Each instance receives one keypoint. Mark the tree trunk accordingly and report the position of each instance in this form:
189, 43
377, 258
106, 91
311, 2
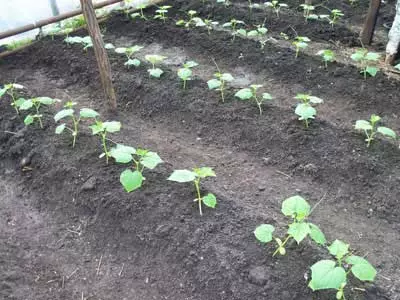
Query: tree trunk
308, 2
101, 54
367, 32
54, 7
394, 38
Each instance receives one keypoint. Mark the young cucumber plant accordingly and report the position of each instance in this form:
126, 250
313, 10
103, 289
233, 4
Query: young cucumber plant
276, 6
364, 58
327, 56
69, 113
139, 14
298, 209
140, 158
86, 41
102, 129
250, 93
219, 83
191, 14
129, 52
308, 12
161, 12
207, 23
185, 73
155, 59
11, 90
36, 103
195, 176
300, 42
305, 110
331, 274
371, 129
259, 33
233, 25
334, 17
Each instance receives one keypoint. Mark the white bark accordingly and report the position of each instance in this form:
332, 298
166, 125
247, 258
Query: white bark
394, 34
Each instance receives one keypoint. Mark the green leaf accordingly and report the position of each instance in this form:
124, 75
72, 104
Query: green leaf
264, 232
372, 70
338, 249
88, 113
132, 62
227, 77
60, 128
386, 132
46, 100
122, 154
131, 180
315, 100
296, 207
244, 94
112, 126
242, 32
150, 160
363, 125
97, 128
372, 56
317, 235
28, 120
326, 275
120, 50
361, 268
63, 113
204, 172
184, 73
182, 176
305, 111
214, 84
190, 64
252, 33
299, 231
3, 90
109, 46
267, 96
210, 200
359, 55
19, 101
156, 72
27, 104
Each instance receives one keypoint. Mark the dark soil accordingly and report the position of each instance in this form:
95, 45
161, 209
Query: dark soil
71, 232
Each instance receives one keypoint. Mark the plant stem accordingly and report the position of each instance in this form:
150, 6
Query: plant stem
222, 90
281, 246
75, 132
103, 139
184, 84
37, 113
197, 185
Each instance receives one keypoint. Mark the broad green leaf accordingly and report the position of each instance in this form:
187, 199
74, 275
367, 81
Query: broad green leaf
299, 231
363, 125
109, 46
244, 94
210, 200
375, 118
252, 33
120, 50
296, 207
372, 56
184, 73
97, 128
17, 86
359, 55
60, 128
213, 84
190, 64
122, 154
264, 232
131, 180
154, 58
227, 77
338, 249
19, 101
316, 234
326, 275
372, 71
267, 96
315, 100
132, 62
88, 113
204, 172
182, 176
262, 30
3, 91
46, 100
112, 126
305, 111
63, 113
27, 104
150, 160
28, 120
156, 72
361, 268
242, 32
386, 132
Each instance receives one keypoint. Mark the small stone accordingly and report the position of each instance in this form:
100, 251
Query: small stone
259, 275
89, 185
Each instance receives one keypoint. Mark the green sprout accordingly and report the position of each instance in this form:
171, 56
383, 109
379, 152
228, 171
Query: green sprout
191, 14
300, 42
185, 73
37, 104
195, 176
141, 13
304, 109
155, 59
276, 6
102, 129
219, 83
259, 33
140, 158
332, 274
250, 93
18, 44
298, 209
327, 56
308, 12
225, 2
86, 41
209, 24
11, 90
371, 129
74, 22
129, 52
334, 17
161, 11
233, 25
68, 112
363, 57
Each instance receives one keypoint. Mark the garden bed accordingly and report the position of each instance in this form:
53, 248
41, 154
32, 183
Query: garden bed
71, 232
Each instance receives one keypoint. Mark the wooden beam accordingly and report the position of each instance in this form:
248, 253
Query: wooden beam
103, 62
367, 32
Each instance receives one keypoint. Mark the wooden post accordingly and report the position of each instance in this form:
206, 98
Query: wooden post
101, 54
54, 7
369, 25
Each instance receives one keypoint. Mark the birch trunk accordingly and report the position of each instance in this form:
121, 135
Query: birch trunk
394, 37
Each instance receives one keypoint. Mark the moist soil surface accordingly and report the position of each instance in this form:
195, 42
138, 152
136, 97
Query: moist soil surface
70, 231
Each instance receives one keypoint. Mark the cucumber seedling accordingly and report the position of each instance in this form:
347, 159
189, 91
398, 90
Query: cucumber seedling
300, 42
139, 14
68, 112
334, 17
185, 73
276, 6
233, 24
371, 129
129, 52
195, 176
364, 58
161, 12
332, 274
11, 90
102, 129
250, 93
207, 23
308, 12
298, 209
305, 110
327, 56
86, 41
219, 83
155, 59
191, 14
36, 103
141, 159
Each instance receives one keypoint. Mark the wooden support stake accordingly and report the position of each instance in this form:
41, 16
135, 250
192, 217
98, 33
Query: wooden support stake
101, 54
367, 32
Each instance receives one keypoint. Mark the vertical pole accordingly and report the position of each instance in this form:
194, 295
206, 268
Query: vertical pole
308, 2
101, 54
54, 7
369, 25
